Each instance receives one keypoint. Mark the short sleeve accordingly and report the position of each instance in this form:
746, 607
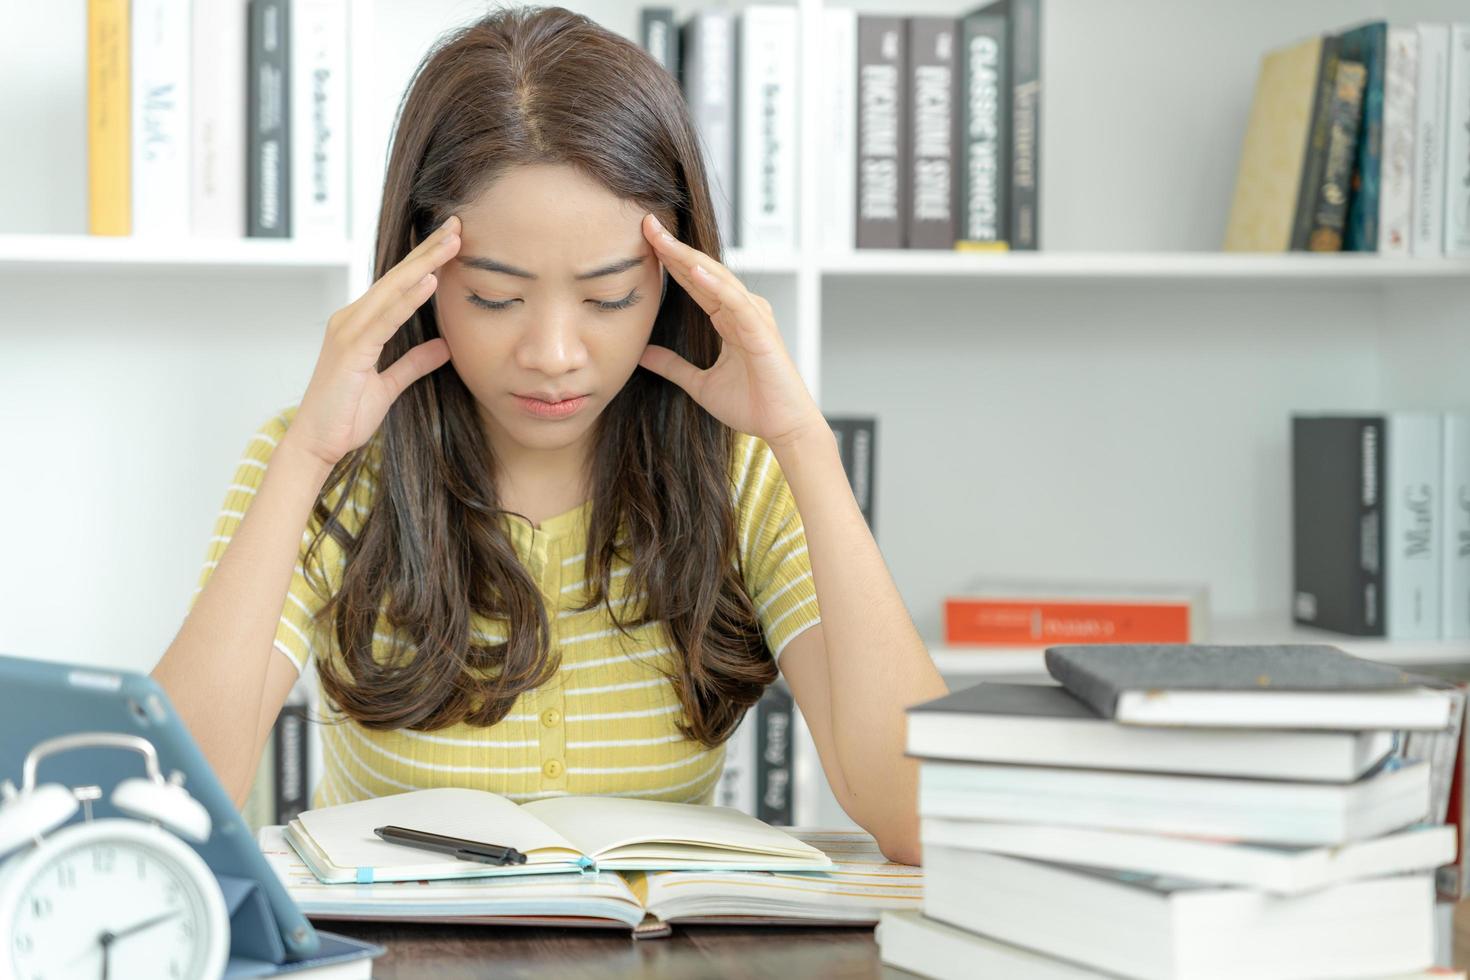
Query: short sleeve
294, 631
777, 568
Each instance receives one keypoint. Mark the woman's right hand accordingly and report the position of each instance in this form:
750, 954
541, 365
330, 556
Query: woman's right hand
347, 398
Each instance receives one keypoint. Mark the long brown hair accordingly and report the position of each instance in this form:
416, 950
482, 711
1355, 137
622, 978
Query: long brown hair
527, 86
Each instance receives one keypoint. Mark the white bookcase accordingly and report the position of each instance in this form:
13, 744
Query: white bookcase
1113, 407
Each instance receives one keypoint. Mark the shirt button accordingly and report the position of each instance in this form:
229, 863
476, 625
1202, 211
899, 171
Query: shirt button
552, 768
551, 717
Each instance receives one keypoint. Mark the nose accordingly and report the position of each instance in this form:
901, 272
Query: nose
552, 345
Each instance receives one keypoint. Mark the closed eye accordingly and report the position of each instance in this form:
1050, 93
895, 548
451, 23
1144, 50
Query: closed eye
607, 306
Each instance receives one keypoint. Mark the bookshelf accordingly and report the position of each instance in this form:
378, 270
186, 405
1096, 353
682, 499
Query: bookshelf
1113, 407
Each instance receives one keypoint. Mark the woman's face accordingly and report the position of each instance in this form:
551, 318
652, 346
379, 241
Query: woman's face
552, 296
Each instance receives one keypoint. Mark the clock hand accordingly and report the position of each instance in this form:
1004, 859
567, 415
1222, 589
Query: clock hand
145, 924
105, 940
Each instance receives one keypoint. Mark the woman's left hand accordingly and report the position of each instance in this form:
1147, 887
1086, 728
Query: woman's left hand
753, 386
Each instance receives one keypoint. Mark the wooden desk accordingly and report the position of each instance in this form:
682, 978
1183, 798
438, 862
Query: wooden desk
455, 952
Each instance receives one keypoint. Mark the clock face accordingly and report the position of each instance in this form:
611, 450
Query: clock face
117, 908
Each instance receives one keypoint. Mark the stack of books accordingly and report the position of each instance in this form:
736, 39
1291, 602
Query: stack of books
1183, 811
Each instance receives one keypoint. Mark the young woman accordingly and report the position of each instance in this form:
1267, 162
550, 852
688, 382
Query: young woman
570, 560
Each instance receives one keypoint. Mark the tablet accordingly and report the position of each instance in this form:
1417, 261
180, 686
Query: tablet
40, 700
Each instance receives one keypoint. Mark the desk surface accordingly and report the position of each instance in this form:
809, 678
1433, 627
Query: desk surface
452, 952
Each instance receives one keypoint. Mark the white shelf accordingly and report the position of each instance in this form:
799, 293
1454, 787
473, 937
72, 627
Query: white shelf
1232, 266
1027, 661
27, 252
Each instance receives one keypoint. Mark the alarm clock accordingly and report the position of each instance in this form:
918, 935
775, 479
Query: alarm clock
116, 898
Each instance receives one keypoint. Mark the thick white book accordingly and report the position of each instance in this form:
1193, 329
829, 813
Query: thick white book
1412, 539
217, 178
319, 120
1396, 173
707, 50
161, 128
1429, 140
1045, 725
1275, 868
1455, 522
914, 942
1268, 811
1157, 928
765, 204
839, 116
1457, 146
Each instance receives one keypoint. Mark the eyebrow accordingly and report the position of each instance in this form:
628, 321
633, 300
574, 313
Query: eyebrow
493, 265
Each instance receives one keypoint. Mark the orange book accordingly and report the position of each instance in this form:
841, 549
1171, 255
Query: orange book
109, 111
1045, 617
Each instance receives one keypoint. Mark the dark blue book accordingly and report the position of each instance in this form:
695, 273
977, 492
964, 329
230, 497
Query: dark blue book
1366, 44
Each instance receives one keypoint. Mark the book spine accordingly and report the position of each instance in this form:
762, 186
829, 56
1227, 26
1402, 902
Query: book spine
708, 43
319, 93
1429, 142
1414, 450
1396, 184
1457, 146
736, 787
1455, 524
984, 174
1086, 686
292, 766
217, 188
1337, 476
882, 160
1026, 125
109, 109
1367, 44
774, 756
857, 440
268, 176
839, 32
1314, 164
766, 81
161, 134
1330, 218
1023, 622
934, 120
658, 36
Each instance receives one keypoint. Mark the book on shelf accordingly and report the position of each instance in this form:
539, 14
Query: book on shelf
1367, 541
658, 34
556, 834
856, 886
767, 128
707, 75
1303, 686
1355, 141
985, 127
994, 612
933, 112
883, 161
1192, 929
775, 755
244, 106
839, 118
292, 781
1046, 725
857, 447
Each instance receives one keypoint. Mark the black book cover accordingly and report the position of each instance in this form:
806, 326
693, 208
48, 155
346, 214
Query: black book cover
857, 440
774, 756
1025, 124
659, 36
292, 762
985, 123
882, 132
1098, 674
268, 159
933, 133
1314, 163
1337, 476
1330, 218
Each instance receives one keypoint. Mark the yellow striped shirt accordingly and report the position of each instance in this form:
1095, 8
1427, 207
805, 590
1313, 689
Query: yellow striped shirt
607, 721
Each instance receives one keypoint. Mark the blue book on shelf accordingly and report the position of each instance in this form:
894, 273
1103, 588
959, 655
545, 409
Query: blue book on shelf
1366, 44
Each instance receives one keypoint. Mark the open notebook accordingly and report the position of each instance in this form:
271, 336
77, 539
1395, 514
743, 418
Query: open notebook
857, 886
557, 835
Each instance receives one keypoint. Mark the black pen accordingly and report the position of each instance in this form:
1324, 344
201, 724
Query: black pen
467, 850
